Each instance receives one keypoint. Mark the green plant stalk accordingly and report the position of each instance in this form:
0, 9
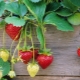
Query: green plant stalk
4, 38
15, 52
33, 61
13, 55
43, 36
25, 39
14, 41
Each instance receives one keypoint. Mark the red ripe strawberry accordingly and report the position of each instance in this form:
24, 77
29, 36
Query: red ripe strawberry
78, 52
25, 56
35, 52
44, 60
13, 31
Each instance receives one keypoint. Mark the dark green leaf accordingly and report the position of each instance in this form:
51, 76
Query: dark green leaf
64, 12
74, 19
53, 6
69, 5
61, 23
15, 21
35, 1
2, 8
40, 36
76, 2
37, 10
18, 9
4, 67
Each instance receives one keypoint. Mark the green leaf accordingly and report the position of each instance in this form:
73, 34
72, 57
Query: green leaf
18, 9
68, 4
2, 24
13, 7
38, 10
15, 21
61, 23
74, 19
76, 2
64, 12
2, 8
22, 9
4, 67
40, 36
53, 6
35, 1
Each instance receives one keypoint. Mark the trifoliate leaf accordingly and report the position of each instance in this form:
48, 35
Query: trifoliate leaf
58, 21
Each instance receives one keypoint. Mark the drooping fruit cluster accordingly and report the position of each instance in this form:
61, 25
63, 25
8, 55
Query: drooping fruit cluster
44, 60
31, 56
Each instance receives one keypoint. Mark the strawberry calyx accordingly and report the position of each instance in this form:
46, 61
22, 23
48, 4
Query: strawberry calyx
45, 52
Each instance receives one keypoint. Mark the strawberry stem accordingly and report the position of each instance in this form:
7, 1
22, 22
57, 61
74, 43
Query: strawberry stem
12, 66
43, 36
32, 45
25, 41
4, 38
14, 41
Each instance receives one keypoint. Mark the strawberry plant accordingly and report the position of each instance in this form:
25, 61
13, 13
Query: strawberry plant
20, 18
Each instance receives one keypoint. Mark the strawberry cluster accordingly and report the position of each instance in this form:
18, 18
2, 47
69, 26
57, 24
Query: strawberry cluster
44, 58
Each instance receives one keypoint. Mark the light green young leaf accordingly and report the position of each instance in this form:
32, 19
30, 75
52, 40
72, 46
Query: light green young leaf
37, 10
74, 19
15, 21
59, 22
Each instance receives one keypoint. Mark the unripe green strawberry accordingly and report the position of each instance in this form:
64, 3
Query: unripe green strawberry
4, 54
11, 74
33, 69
